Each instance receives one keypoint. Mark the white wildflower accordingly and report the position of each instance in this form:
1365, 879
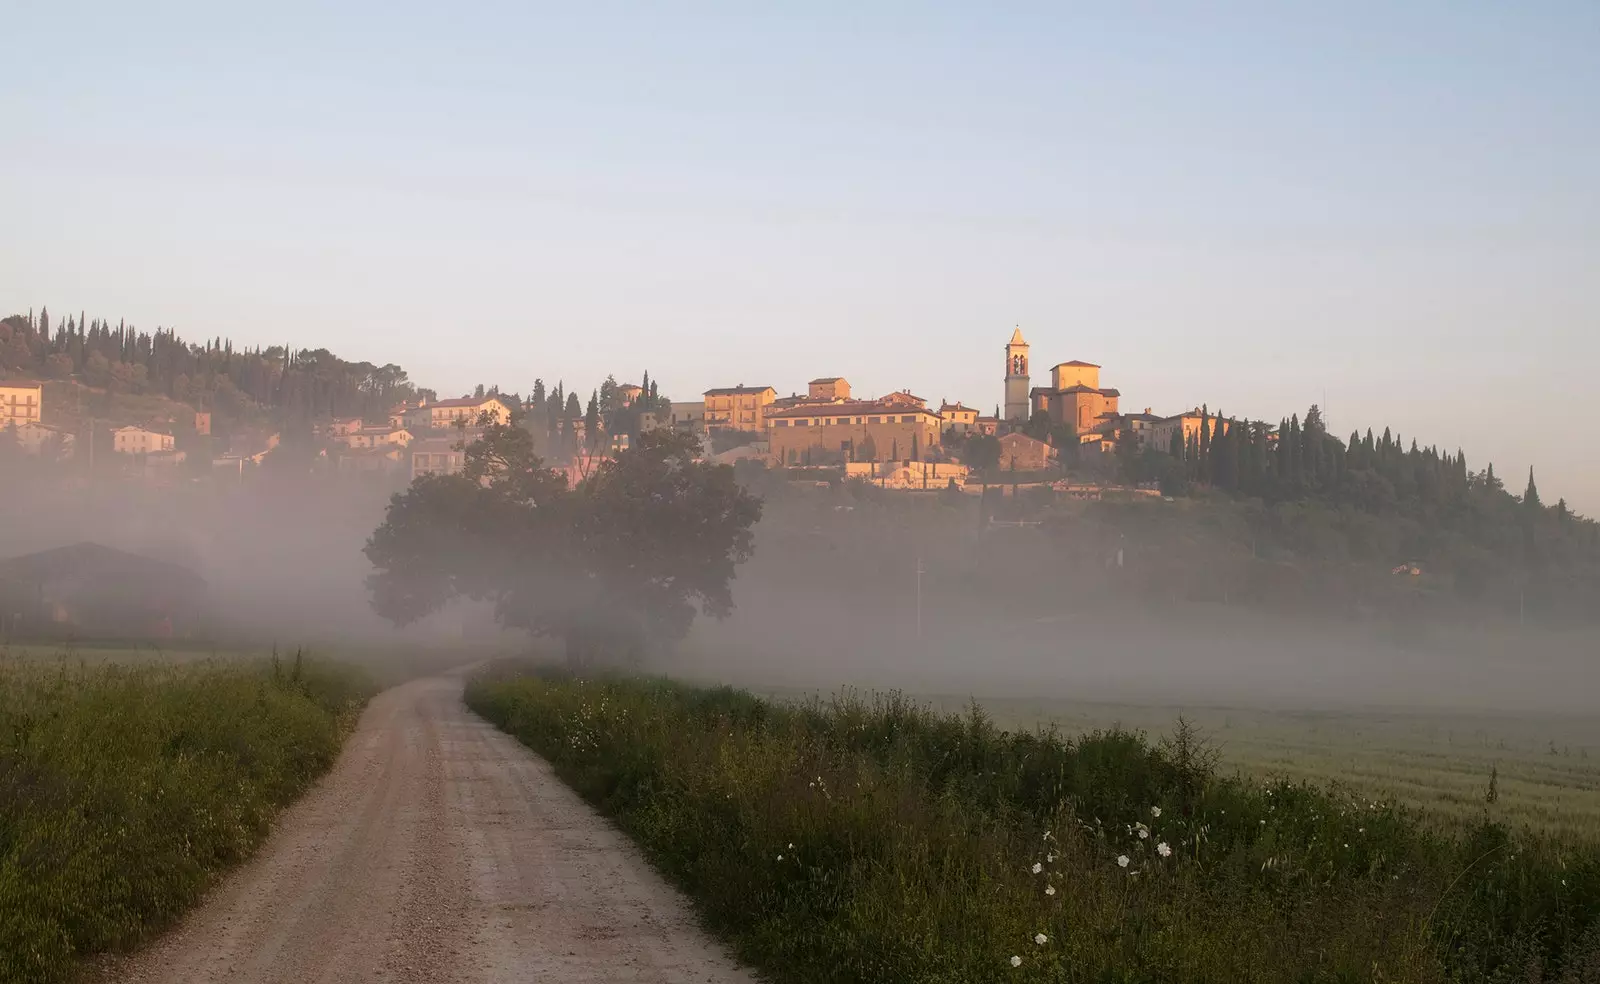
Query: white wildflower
1037, 867
1163, 850
1016, 961
1122, 860
780, 857
1155, 811
1041, 939
1049, 890
791, 847
1144, 834
1050, 858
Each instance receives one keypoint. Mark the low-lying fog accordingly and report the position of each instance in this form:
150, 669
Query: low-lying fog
831, 600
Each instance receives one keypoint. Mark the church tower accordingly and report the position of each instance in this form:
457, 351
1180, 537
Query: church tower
1017, 377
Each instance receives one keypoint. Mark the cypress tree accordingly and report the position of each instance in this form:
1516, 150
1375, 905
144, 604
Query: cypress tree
1530, 498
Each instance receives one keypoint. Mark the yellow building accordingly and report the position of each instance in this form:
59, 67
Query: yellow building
436, 456
828, 388
445, 413
741, 407
957, 419
21, 403
895, 428
376, 437
1158, 434
1076, 397
139, 440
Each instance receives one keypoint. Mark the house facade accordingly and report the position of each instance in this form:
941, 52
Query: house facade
140, 440
741, 407
444, 414
896, 428
958, 420
436, 456
1019, 452
21, 403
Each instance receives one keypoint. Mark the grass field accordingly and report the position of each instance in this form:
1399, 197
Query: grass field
1546, 767
878, 840
128, 784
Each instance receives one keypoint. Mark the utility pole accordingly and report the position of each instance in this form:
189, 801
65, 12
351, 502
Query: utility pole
920, 572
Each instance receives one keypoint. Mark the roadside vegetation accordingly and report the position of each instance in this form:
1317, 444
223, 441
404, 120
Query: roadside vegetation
124, 790
873, 839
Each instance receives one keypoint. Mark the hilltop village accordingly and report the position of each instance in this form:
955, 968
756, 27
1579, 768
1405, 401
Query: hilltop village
896, 440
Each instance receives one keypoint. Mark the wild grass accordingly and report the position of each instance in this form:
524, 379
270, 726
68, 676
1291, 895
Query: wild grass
874, 839
124, 790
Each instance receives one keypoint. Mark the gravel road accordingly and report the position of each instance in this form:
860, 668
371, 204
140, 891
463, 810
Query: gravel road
437, 850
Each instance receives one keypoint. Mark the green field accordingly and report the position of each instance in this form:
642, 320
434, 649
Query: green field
875, 839
1546, 768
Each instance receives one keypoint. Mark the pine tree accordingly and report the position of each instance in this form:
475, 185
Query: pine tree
591, 421
915, 451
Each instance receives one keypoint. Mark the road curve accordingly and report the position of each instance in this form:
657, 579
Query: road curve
438, 850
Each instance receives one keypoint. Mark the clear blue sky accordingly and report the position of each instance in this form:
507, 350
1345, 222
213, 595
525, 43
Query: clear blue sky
1247, 204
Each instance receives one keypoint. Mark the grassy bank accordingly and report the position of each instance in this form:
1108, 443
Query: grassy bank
878, 841
125, 790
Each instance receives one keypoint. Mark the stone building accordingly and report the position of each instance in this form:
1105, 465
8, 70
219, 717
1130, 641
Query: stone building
898, 427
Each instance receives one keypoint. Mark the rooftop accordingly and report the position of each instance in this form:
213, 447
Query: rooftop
826, 379
1016, 337
847, 408
469, 401
1077, 364
735, 390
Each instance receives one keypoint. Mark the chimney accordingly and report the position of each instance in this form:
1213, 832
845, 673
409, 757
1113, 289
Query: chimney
1147, 412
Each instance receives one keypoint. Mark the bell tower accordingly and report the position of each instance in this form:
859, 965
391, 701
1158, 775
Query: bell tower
1017, 377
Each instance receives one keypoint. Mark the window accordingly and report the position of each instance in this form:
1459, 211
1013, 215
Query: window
780, 423
908, 420
874, 420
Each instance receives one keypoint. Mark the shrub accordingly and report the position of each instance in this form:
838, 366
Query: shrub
124, 791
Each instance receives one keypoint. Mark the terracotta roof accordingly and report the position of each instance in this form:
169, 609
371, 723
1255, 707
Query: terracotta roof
1077, 388
20, 384
1142, 416
1016, 338
1110, 391
736, 390
848, 408
465, 402
826, 379
954, 406
1078, 364
630, 386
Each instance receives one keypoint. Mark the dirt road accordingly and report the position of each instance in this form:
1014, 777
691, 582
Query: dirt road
438, 850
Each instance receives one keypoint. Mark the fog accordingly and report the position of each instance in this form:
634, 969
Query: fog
830, 599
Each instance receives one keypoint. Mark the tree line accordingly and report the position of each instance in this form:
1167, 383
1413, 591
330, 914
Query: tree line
278, 382
1426, 504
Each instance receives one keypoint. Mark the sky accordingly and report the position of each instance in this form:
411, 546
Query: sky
1389, 209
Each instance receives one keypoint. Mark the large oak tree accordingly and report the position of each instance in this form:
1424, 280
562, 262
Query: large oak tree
617, 566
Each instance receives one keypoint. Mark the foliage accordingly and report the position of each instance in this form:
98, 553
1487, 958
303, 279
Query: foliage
124, 791
285, 384
877, 841
622, 561
1390, 504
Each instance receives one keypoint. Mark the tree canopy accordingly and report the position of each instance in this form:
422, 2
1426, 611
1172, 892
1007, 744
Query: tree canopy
618, 565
